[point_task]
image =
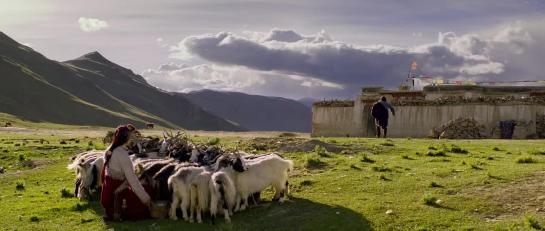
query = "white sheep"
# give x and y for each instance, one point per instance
(259, 173)
(190, 190)
(87, 167)
(222, 194)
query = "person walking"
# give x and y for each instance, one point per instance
(380, 113)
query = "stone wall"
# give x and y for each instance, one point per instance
(418, 121)
(336, 121)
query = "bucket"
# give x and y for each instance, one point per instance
(159, 209)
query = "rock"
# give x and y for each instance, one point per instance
(461, 128)
(389, 212)
(2, 170)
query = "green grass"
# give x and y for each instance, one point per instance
(333, 192)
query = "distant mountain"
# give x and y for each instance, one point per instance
(90, 90)
(254, 112)
(307, 101)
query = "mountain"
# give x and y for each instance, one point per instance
(307, 101)
(254, 112)
(90, 90)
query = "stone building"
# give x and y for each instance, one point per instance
(419, 113)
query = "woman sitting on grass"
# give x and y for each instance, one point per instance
(122, 196)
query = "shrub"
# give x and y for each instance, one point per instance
(366, 159)
(213, 141)
(526, 160)
(22, 157)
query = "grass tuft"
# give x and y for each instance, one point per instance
(213, 141)
(366, 159)
(380, 168)
(526, 160)
(458, 150)
(387, 144)
(321, 151)
(476, 167)
(407, 157)
(306, 183)
(34, 219)
(436, 153)
(384, 178)
(65, 193)
(312, 162)
(431, 201)
(537, 152)
(20, 185)
(532, 223)
(354, 166)
(433, 184)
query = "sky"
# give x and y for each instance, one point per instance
(295, 49)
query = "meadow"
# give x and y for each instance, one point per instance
(367, 184)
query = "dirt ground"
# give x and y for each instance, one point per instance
(100, 132)
(520, 197)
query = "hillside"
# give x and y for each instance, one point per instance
(257, 113)
(90, 90)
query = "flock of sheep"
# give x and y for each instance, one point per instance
(195, 178)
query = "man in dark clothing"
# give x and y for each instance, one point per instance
(380, 113)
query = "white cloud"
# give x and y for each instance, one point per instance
(91, 24)
(184, 78)
(320, 57)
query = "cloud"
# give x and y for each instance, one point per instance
(185, 78)
(507, 52)
(91, 24)
(321, 57)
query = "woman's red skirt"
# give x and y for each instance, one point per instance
(133, 208)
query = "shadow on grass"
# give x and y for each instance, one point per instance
(294, 214)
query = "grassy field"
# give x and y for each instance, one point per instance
(373, 184)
